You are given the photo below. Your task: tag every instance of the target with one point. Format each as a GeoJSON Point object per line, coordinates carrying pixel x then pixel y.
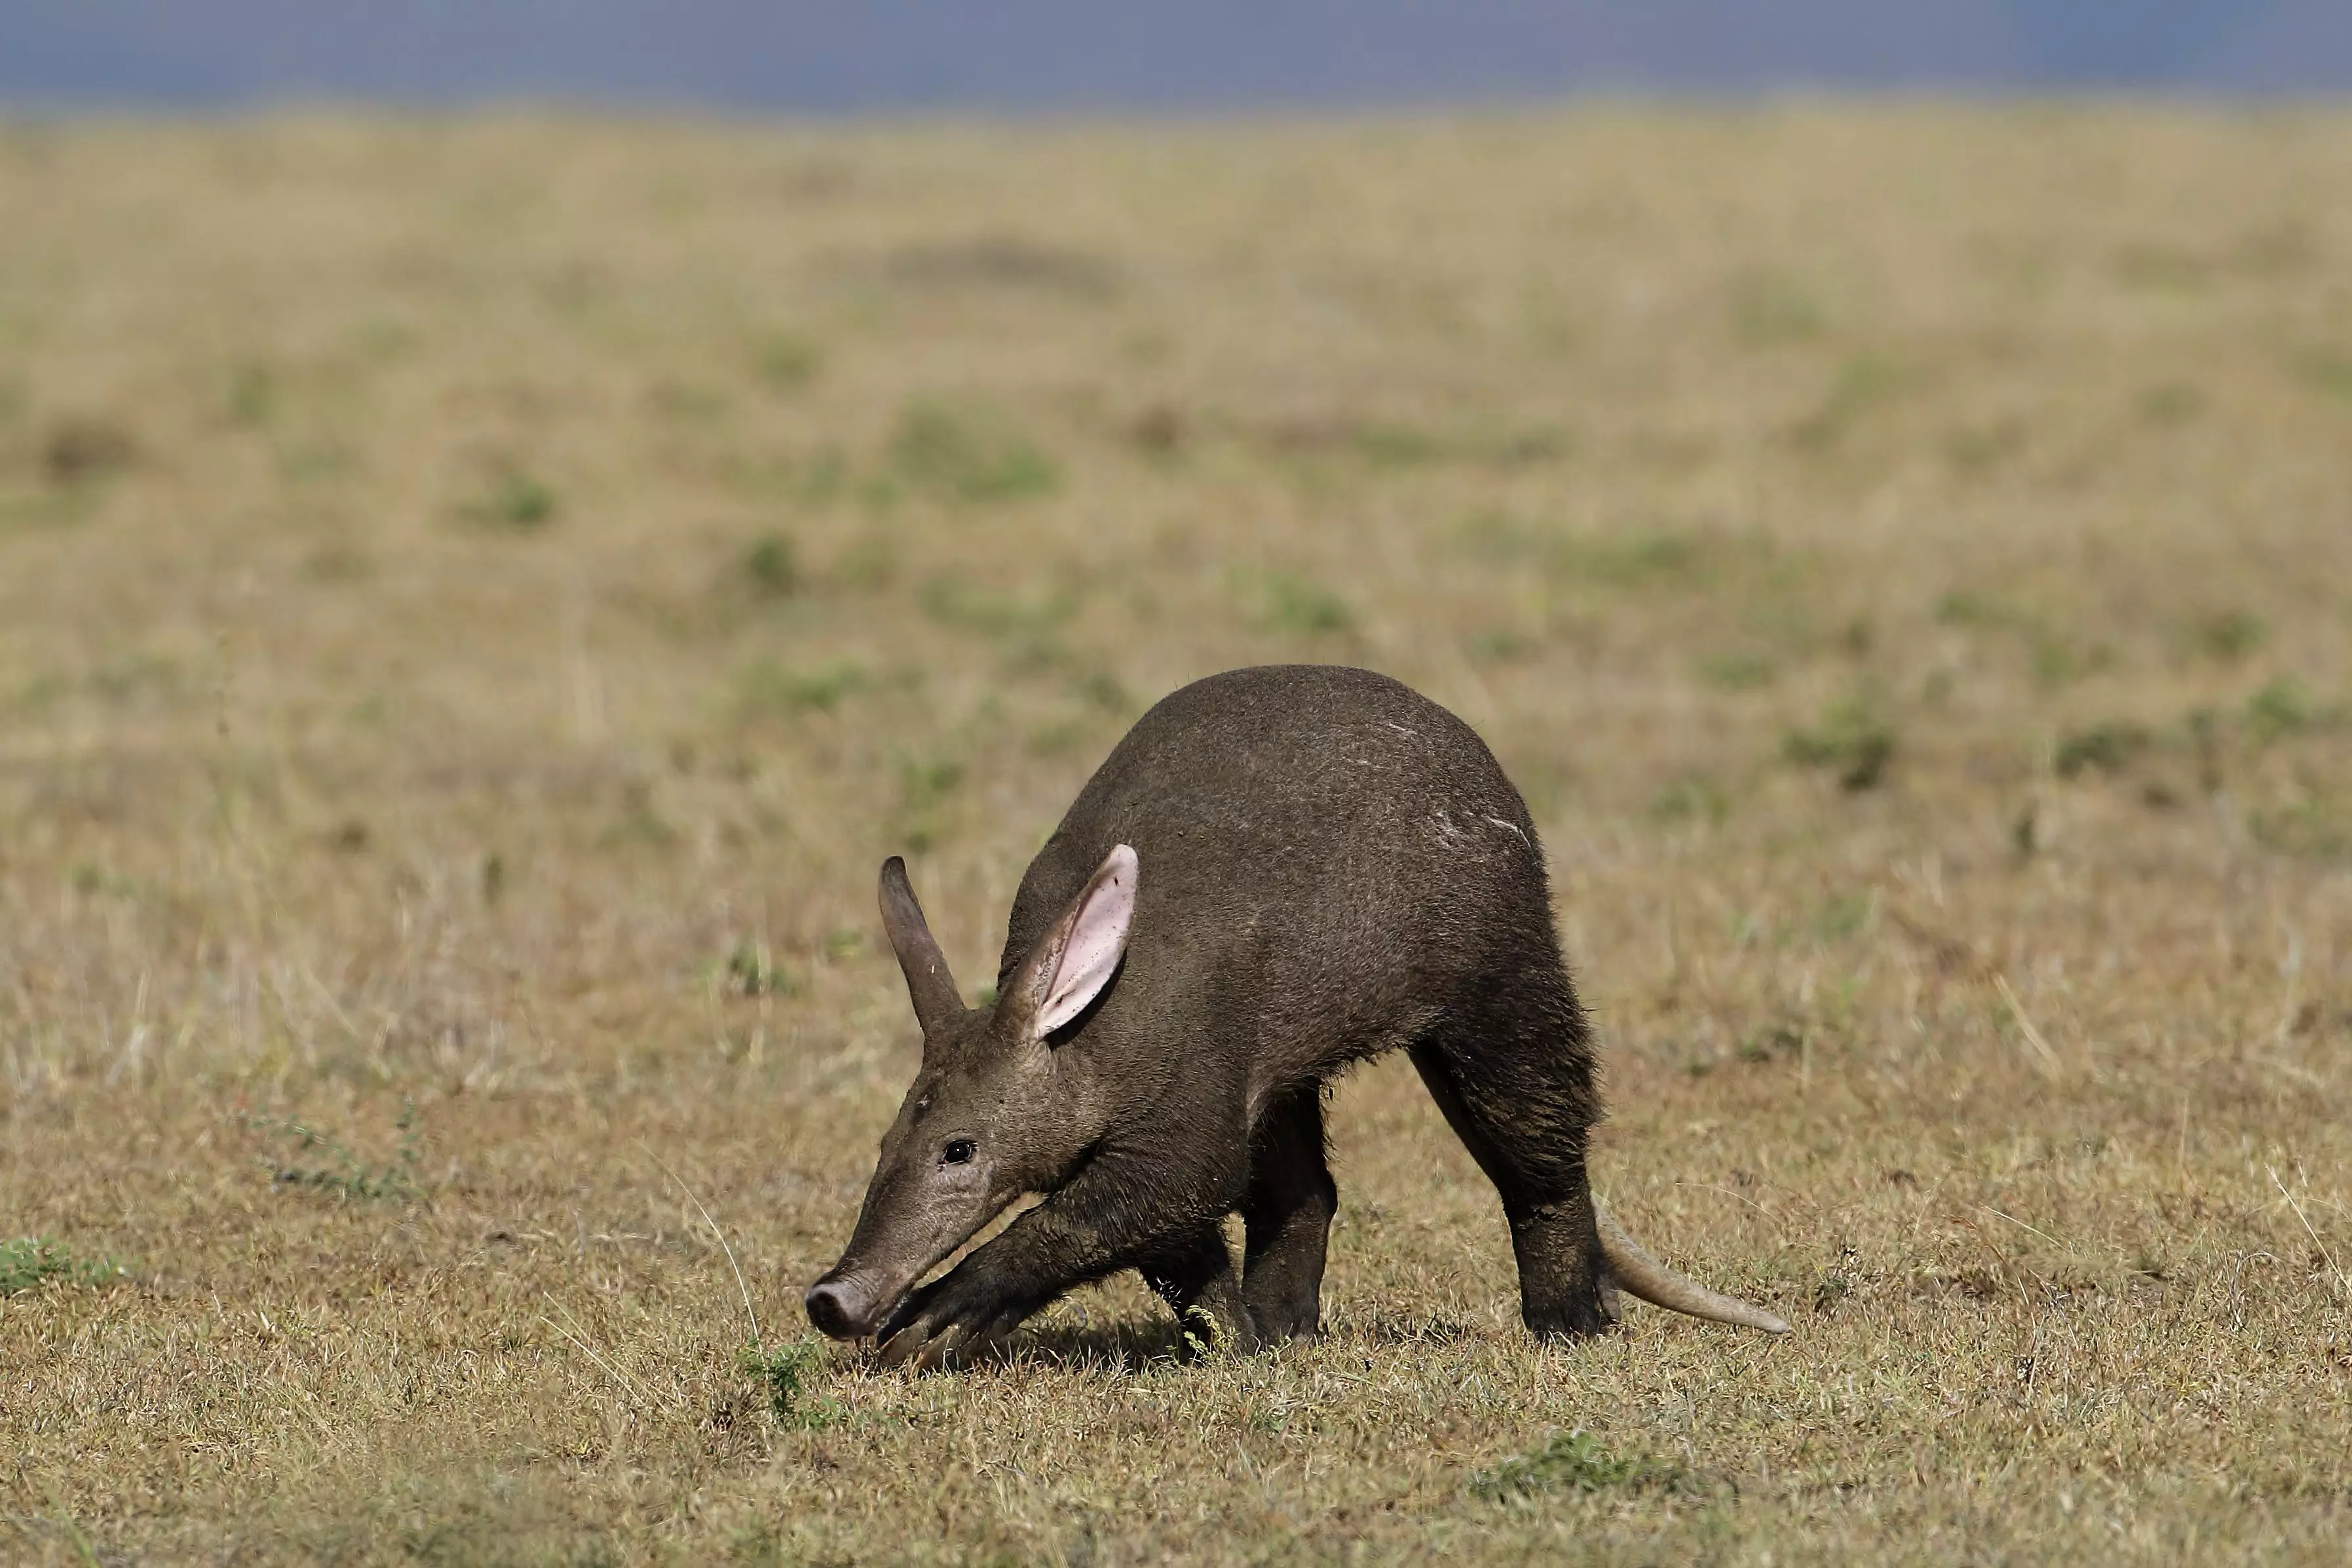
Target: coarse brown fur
{"type": "Point", "coordinates": [1332, 867]}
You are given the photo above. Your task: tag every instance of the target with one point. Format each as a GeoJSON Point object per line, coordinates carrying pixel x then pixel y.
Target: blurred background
{"type": "Point", "coordinates": [510, 511]}
{"type": "Point", "coordinates": [835, 55]}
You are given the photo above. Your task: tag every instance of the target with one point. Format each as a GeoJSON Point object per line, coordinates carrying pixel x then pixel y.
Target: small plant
{"type": "Point", "coordinates": [969, 455]}
{"type": "Point", "coordinates": [1854, 740]}
{"type": "Point", "coordinates": [31, 1261]}
{"type": "Point", "coordinates": [1285, 601]}
{"type": "Point", "coordinates": [344, 1173]}
{"type": "Point", "coordinates": [788, 362]}
{"type": "Point", "coordinates": [1692, 798]}
{"type": "Point", "coordinates": [1774, 1041]}
{"type": "Point", "coordinates": [2280, 709]}
{"type": "Point", "coordinates": [1575, 1462]}
{"type": "Point", "coordinates": [1964, 607]}
{"type": "Point", "coordinates": [1862, 383]}
{"type": "Point", "coordinates": [1501, 646]}
{"type": "Point", "coordinates": [769, 688]}
{"type": "Point", "coordinates": [1027, 619]}
{"type": "Point", "coordinates": [783, 1375]}
{"type": "Point", "coordinates": [1646, 557]}
{"type": "Point", "coordinates": [1842, 917]}
{"type": "Point", "coordinates": [2231, 636]}
{"type": "Point", "coordinates": [1736, 672]}
{"type": "Point", "coordinates": [771, 566]}
{"type": "Point", "coordinates": [515, 503]}
{"type": "Point", "coordinates": [2058, 661]}
{"type": "Point", "coordinates": [749, 972]}
{"type": "Point", "coordinates": [924, 787]}
{"type": "Point", "coordinates": [2105, 747]}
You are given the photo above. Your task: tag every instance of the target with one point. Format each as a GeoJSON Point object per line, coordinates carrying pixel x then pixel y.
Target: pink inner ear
{"type": "Point", "coordinates": [1097, 936]}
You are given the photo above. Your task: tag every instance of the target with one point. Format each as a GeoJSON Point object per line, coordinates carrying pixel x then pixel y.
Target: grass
{"type": "Point", "coordinates": [320, 1162]}
{"type": "Point", "coordinates": [569, 841]}
{"type": "Point", "coordinates": [29, 1262]}
{"type": "Point", "coordinates": [1575, 1462]}
{"type": "Point", "coordinates": [1853, 740]}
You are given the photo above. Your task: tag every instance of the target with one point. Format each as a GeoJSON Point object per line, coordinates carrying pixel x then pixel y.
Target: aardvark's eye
{"type": "Point", "coordinates": [958, 1152]}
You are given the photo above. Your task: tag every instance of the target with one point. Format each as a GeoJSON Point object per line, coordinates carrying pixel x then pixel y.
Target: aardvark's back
{"type": "Point", "coordinates": [1321, 845]}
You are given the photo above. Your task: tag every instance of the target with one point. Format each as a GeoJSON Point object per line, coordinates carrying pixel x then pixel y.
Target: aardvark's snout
{"type": "Point", "coordinates": [843, 1308]}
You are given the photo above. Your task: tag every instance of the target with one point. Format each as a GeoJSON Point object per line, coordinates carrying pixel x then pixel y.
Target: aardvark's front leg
{"type": "Point", "coordinates": [1107, 1217]}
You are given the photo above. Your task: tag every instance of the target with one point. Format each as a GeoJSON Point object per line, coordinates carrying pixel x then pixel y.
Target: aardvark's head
{"type": "Point", "coordinates": [1002, 1107]}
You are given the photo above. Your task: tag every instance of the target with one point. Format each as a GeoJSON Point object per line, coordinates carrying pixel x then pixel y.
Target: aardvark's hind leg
{"type": "Point", "coordinates": [1514, 1079]}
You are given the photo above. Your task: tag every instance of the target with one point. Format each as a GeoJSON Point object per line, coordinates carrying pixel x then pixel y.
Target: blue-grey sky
{"type": "Point", "coordinates": [835, 55]}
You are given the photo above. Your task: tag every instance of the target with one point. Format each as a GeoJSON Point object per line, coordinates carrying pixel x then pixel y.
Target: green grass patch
{"type": "Point", "coordinates": [784, 1376]}
{"type": "Point", "coordinates": [29, 1262]}
{"type": "Point", "coordinates": [2280, 709]}
{"type": "Point", "coordinates": [926, 785]}
{"type": "Point", "coordinates": [514, 502]}
{"type": "Point", "coordinates": [970, 452]}
{"type": "Point", "coordinates": [1855, 739]}
{"type": "Point", "coordinates": [770, 567]}
{"type": "Point", "coordinates": [2229, 636]}
{"type": "Point", "coordinates": [2312, 829]}
{"type": "Point", "coordinates": [320, 1162]}
{"type": "Point", "coordinates": [1279, 600]}
{"type": "Point", "coordinates": [2105, 747]}
{"type": "Point", "coordinates": [786, 362]}
{"type": "Point", "coordinates": [1577, 1461]}
{"type": "Point", "coordinates": [769, 688]}
{"type": "Point", "coordinates": [964, 605]}
{"type": "Point", "coordinates": [1861, 385]}
{"type": "Point", "coordinates": [1738, 671]}
{"type": "Point", "coordinates": [1693, 797]}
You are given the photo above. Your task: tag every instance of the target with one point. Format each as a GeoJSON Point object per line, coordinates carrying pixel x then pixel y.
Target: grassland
{"type": "Point", "coordinates": [478, 600]}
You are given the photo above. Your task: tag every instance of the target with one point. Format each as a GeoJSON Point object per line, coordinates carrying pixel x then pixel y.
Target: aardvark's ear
{"type": "Point", "coordinates": [928, 985]}
{"type": "Point", "coordinates": [1077, 957]}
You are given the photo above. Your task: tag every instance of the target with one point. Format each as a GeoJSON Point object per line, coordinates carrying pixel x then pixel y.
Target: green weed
{"type": "Point", "coordinates": [2310, 829]}
{"type": "Point", "coordinates": [1861, 385]}
{"type": "Point", "coordinates": [2104, 748]}
{"type": "Point", "coordinates": [783, 1376]}
{"type": "Point", "coordinates": [31, 1261]}
{"type": "Point", "coordinates": [1964, 607]}
{"type": "Point", "coordinates": [970, 454]}
{"type": "Point", "coordinates": [1738, 671]}
{"type": "Point", "coordinates": [768, 687]}
{"type": "Point", "coordinates": [2229, 636]}
{"type": "Point", "coordinates": [953, 602]}
{"type": "Point", "coordinates": [770, 567]}
{"type": "Point", "coordinates": [2280, 709]}
{"type": "Point", "coordinates": [1575, 1462]}
{"type": "Point", "coordinates": [515, 503]}
{"type": "Point", "coordinates": [344, 1173]}
{"type": "Point", "coordinates": [750, 972]}
{"type": "Point", "coordinates": [925, 786]}
{"type": "Point", "coordinates": [1693, 798]}
{"type": "Point", "coordinates": [1854, 738]}
{"type": "Point", "coordinates": [786, 362]}
{"type": "Point", "coordinates": [1285, 601]}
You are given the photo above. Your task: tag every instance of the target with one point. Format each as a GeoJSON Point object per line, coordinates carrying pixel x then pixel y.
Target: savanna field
{"type": "Point", "coordinates": [479, 598]}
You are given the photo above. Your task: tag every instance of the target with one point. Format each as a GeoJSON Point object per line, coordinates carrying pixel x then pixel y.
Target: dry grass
{"type": "Point", "coordinates": [477, 601]}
